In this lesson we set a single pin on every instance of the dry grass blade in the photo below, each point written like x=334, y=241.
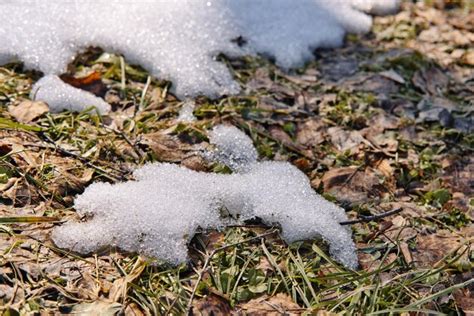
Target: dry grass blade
x=28, y=219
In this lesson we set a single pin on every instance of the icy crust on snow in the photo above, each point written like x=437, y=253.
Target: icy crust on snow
x=179, y=40
x=159, y=213
x=61, y=96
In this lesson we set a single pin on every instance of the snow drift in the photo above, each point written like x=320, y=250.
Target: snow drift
x=158, y=214
x=177, y=40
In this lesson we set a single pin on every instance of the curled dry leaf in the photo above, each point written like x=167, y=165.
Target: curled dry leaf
x=92, y=83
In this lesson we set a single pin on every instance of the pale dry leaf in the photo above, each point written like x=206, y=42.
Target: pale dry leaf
x=431, y=249
x=166, y=147
x=97, y=308
x=468, y=58
x=393, y=75
x=311, y=132
x=345, y=140
x=279, y=304
x=27, y=111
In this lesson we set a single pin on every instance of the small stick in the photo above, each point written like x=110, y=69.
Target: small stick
x=215, y=251
x=366, y=219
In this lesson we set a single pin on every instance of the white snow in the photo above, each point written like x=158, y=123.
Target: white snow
x=159, y=213
x=61, y=96
x=186, y=114
x=179, y=40
x=232, y=148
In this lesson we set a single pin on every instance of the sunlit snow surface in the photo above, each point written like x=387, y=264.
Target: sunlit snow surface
x=61, y=96
x=178, y=40
x=158, y=214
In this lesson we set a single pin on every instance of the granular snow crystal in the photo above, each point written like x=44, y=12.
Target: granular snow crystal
x=60, y=96
x=186, y=114
x=158, y=214
x=179, y=40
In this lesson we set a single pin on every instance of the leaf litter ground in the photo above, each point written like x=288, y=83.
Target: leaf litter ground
x=382, y=124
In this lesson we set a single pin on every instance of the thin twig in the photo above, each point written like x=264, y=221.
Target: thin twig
x=366, y=219
x=215, y=251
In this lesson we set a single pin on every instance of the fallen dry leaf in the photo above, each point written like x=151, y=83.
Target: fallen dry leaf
x=351, y=185
x=98, y=308
x=211, y=305
x=393, y=75
x=92, y=83
x=432, y=248
x=166, y=147
x=280, y=304
x=465, y=300
x=311, y=132
x=27, y=111
x=431, y=81
x=345, y=140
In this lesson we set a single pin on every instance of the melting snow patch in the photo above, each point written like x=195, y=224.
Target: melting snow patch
x=186, y=112
x=158, y=214
x=179, y=40
x=59, y=96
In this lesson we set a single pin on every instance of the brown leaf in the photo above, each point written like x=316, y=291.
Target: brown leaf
x=280, y=304
x=27, y=111
x=379, y=84
x=465, y=300
x=338, y=176
x=468, y=58
x=92, y=83
x=350, y=185
x=211, y=305
x=279, y=134
x=196, y=163
x=432, y=248
x=431, y=81
x=166, y=147
x=345, y=140
x=385, y=167
x=87, y=287
x=133, y=310
x=311, y=132
x=406, y=253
